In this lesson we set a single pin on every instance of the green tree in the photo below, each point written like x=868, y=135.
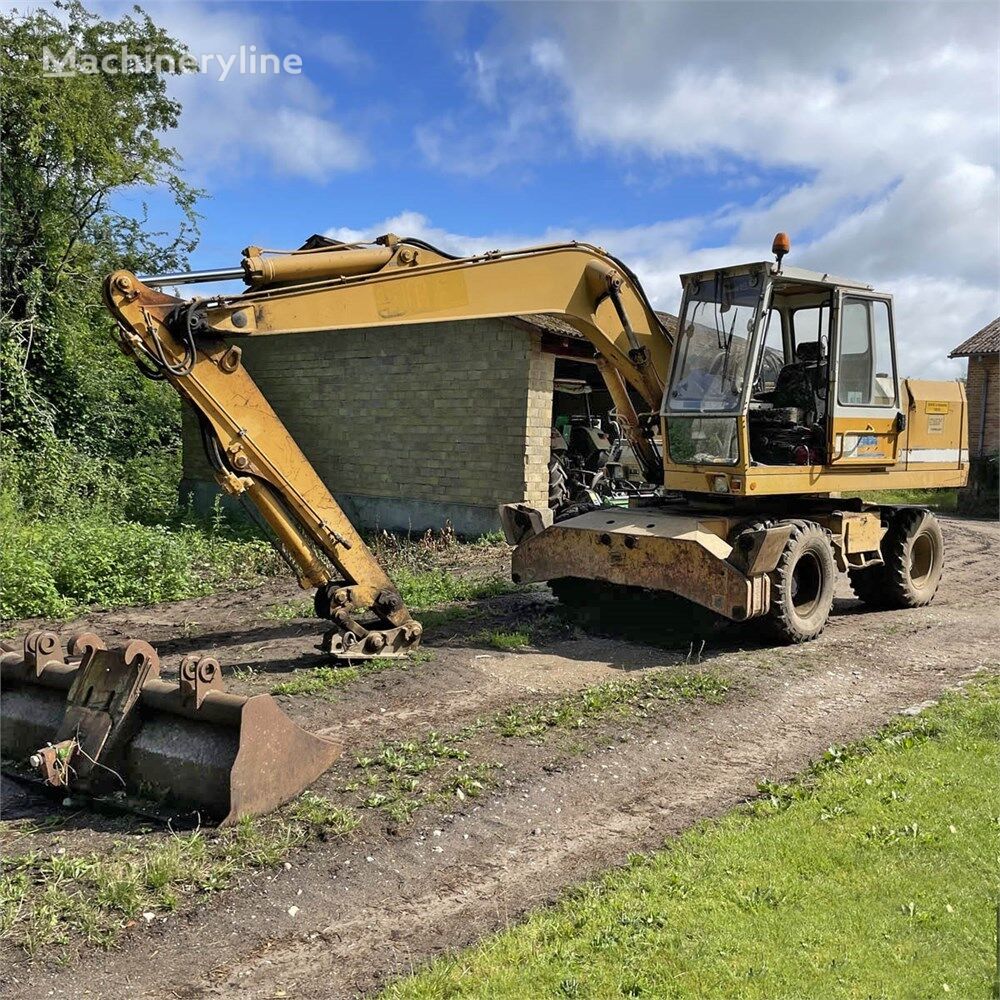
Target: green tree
x=71, y=148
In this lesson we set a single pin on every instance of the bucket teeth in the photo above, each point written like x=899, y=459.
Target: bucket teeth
x=100, y=719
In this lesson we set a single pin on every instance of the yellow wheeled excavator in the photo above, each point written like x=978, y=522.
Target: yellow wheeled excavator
x=779, y=399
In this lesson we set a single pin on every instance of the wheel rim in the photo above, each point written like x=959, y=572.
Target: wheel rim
x=807, y=584
x=921, y=559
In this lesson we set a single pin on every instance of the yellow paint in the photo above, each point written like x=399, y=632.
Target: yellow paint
x=438, y=293
x=937, y=416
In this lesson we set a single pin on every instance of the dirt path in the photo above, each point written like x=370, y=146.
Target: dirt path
x=370, y=909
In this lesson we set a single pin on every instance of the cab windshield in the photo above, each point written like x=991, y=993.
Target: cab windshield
x=714, y=342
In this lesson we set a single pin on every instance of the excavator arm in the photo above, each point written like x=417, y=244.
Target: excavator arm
x=194, y=344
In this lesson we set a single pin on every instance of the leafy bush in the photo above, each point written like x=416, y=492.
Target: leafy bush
x=78, y=531
x=54, y=569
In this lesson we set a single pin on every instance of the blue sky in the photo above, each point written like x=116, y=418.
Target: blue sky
x=675, y=134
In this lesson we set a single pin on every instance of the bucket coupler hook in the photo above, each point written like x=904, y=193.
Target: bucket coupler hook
x=198, y=676
x=350, y=639
x=98, y=720
x=41, y=648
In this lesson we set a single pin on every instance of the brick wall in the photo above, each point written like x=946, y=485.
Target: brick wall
x=408, y=426
x=983, y=369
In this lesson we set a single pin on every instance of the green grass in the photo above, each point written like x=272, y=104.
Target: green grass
x=492, y=539
x=301, y=607
x=324, y=681
x=399, y=778
x=943, y=499
x=50, y=900
x=576, y=710
x=426, y=588
x=323, y=816
x=876, y=875
x=505, y=639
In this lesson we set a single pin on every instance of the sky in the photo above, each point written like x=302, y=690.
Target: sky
x=676, y=135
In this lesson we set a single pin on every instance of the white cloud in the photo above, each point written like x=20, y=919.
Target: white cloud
x=851, y=90
x=447, y=145
x=280, y=124
x=277, y=123
x=889, y=112
x=933, y=314
x=339, y=52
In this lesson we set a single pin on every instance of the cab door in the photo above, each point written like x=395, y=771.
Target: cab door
x=864, y=385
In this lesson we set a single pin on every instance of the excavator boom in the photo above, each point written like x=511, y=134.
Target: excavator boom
x=195, y=345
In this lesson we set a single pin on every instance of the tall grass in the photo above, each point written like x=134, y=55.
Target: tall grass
x=76, y=531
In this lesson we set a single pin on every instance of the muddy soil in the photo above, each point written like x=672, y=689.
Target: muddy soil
x=388, y=900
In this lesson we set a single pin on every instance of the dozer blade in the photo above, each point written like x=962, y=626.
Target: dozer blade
x=99, y=720
x=640, y=547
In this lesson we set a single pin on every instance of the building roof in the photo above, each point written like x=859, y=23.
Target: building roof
x=554, y=324
x=987, y=341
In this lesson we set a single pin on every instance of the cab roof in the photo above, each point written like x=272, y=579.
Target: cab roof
x=786, y=273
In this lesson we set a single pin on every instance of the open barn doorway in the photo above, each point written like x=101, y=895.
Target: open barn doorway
x=589, y=460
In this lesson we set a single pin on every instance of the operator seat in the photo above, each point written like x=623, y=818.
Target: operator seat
x=802, y=383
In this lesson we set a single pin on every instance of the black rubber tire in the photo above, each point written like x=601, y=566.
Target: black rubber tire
x=802, y=585
x=869, y=586
x=558, y=488
x=913, y=560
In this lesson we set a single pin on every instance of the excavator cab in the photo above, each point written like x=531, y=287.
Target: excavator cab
x=781, y=378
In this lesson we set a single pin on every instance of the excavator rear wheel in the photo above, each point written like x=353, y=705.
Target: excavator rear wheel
x=913, y=558
x=802, y=585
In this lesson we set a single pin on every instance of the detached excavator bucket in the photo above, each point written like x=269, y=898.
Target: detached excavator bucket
x=100, y=720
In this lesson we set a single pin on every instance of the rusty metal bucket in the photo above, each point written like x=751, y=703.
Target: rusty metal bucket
x=99, y=720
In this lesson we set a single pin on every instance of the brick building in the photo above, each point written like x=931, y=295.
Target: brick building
x=414, y=426
x=983, y=388
x=983, y=391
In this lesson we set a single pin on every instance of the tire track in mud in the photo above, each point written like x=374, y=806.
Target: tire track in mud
x=361, y=921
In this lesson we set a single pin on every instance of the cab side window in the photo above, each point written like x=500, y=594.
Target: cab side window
x=811, y=324
x=772, y=358
x=866, y=374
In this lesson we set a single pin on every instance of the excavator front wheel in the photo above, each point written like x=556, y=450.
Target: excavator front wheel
x=802, y=585
x=913, y=558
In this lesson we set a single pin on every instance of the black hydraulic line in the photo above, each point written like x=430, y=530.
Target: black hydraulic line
x=216, y=459
x=637, y=351
x=412, y=241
